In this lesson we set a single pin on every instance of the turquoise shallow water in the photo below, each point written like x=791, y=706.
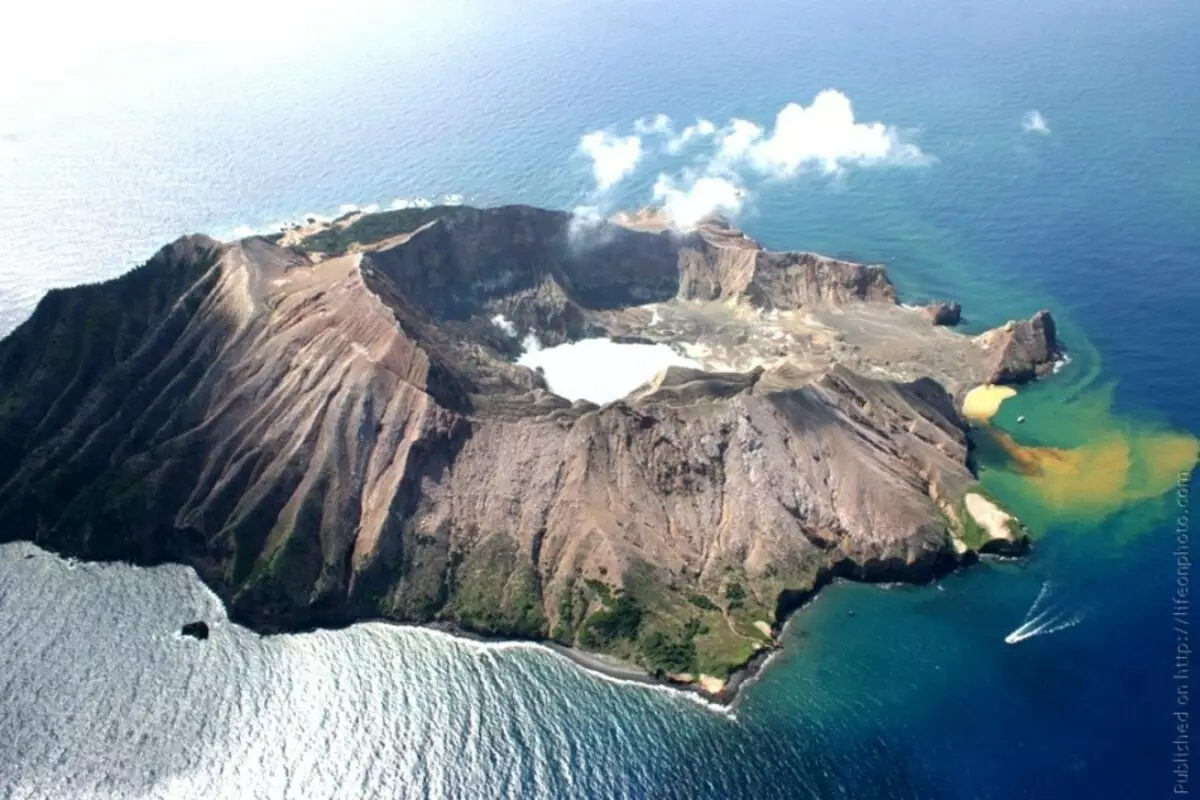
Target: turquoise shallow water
x=915, y=694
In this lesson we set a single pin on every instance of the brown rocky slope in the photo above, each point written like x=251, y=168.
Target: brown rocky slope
x=329, y=427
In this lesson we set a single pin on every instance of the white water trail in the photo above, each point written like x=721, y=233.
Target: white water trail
x=1059, y=624
x=1039, y=622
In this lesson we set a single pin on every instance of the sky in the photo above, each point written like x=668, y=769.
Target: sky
x=61, y=41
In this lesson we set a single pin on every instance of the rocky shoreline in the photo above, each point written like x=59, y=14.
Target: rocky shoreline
x=745, y=675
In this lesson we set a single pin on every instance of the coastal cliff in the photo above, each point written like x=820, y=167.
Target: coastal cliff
x=330, y=426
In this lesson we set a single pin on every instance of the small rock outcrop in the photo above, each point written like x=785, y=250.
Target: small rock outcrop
x=942, y=313
x=1023, y=350
x=196, y=630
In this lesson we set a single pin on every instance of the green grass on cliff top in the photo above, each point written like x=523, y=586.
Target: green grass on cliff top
x=371, y=228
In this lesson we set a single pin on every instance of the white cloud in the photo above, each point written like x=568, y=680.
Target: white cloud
x=824, y=134
x=613, y=157
x=585, y=220
x=1034, y=122
x=701, y=129
x=590, y=215
x=658, y=124
x=587, y=228
x=531, y=344
x=691, y=199
x=736, y=140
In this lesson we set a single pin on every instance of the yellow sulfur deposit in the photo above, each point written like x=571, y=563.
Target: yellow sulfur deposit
x=982, y=402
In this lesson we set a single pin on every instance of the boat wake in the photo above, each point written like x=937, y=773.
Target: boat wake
x=1043, y=617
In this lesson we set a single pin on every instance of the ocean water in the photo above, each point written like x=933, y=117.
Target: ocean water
x=880, y=692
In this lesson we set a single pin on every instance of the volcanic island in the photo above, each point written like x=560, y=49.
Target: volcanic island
x=330, y=424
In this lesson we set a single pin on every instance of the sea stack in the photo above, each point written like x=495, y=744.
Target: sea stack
x=949, y=314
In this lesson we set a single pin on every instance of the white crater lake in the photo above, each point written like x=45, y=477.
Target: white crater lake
x=599, y=370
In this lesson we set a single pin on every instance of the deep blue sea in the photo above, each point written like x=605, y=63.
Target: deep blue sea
x=214, y=123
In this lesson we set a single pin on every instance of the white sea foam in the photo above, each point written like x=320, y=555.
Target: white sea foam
x=130, y=709
x=243, y=230
x=1034, y=122
x=486, y=651
x=410, y=202
x=1040, y=627
x=1045, y=616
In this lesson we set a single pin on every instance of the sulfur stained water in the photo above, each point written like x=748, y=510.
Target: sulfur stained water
x=879, y=692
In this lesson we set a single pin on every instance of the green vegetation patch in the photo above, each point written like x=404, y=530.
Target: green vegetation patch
x=653, y=623
x=496, y=591
x=568, y=606
x=602, y=590
x=720, y=650
x=661, y=653
x=974, y=535
x=372, y=228
x=621, y=620
x=735, y=594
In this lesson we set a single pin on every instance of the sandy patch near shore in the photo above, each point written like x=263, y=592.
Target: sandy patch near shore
x=987, y=514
